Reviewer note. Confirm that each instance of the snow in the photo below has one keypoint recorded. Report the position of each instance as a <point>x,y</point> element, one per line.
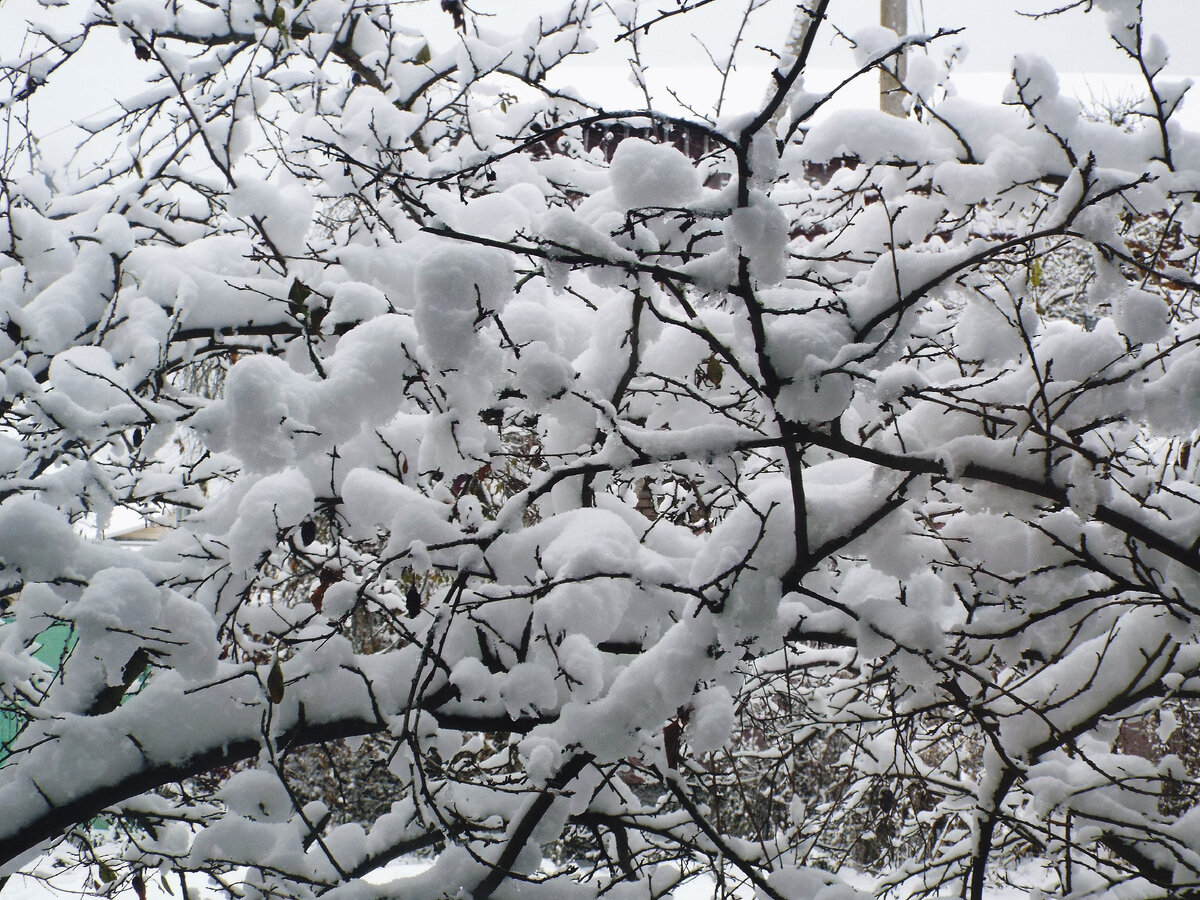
<point>1141,316</point>
<point>455,286</point>
<point>355,302</point>
<point>806,883</point>
<point>272,506</point>
<point>285,209</point>
<point>649,174</point>
<point>560,476</point>
<point>760,233</point>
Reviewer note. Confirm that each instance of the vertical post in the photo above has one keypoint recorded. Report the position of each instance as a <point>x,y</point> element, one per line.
<point>893,14</point>
<point>801,23</point>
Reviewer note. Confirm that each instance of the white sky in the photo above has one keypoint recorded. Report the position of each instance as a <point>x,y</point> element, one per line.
<point>1077,44</point>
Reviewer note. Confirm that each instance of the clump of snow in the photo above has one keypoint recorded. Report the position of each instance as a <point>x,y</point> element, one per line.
<point>871,42</point>
<point>271,507</point>
<point>802,349</point>
<point>257,794</point>
<point>36,541</point>
<point>285,209</point>
<point>1142,316</point>
<point>457,286</point>
<point>542,373</point>
<point>965,184</point>
<point>984,332</point>
<point>712,719</point>
<point>354,301</point>
<point>760,233</point>
<point>648,174</point>
<point>873,136</point>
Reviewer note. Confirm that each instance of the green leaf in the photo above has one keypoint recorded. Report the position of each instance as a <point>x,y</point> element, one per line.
<point>166,884</point>
<point>1035,273</point>
<point>275,682</point>
<point>423,55</point>
<point>279,21</point>
<point>107,875</point>
<point>298,294</point>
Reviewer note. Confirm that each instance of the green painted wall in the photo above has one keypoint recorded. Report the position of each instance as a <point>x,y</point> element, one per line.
<point>52,647</point>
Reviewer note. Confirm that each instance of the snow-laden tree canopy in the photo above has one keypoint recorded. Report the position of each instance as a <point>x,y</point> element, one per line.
<point>602,488</point>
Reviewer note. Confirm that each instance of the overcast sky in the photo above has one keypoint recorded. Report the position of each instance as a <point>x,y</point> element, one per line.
<point>994,31</point>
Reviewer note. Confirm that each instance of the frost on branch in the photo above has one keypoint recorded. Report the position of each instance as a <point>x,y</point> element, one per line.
<point>819,501</point>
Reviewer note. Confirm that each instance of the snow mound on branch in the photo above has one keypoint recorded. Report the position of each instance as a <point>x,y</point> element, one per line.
<point>645,174</point>
<point>871,136</point>
<point>36,540</point>
<point>456,286</point>
<point>760,233</point>
<point>502,216</point>
<point>1142,316</point>
<point>872,42</point>
<point>285,210</point>
<point>802,348</point>
<point>276,503</point>
<point>790,881</point>
<point>354,302</point>
<point>89,386</point>
<point>1035,85</point>
<point>256,794</point>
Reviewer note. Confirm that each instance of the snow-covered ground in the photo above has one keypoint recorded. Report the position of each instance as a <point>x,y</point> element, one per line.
<point>72,885</point>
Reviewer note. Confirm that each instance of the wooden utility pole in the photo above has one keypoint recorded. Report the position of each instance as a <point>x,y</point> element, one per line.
<point>893,14</point>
